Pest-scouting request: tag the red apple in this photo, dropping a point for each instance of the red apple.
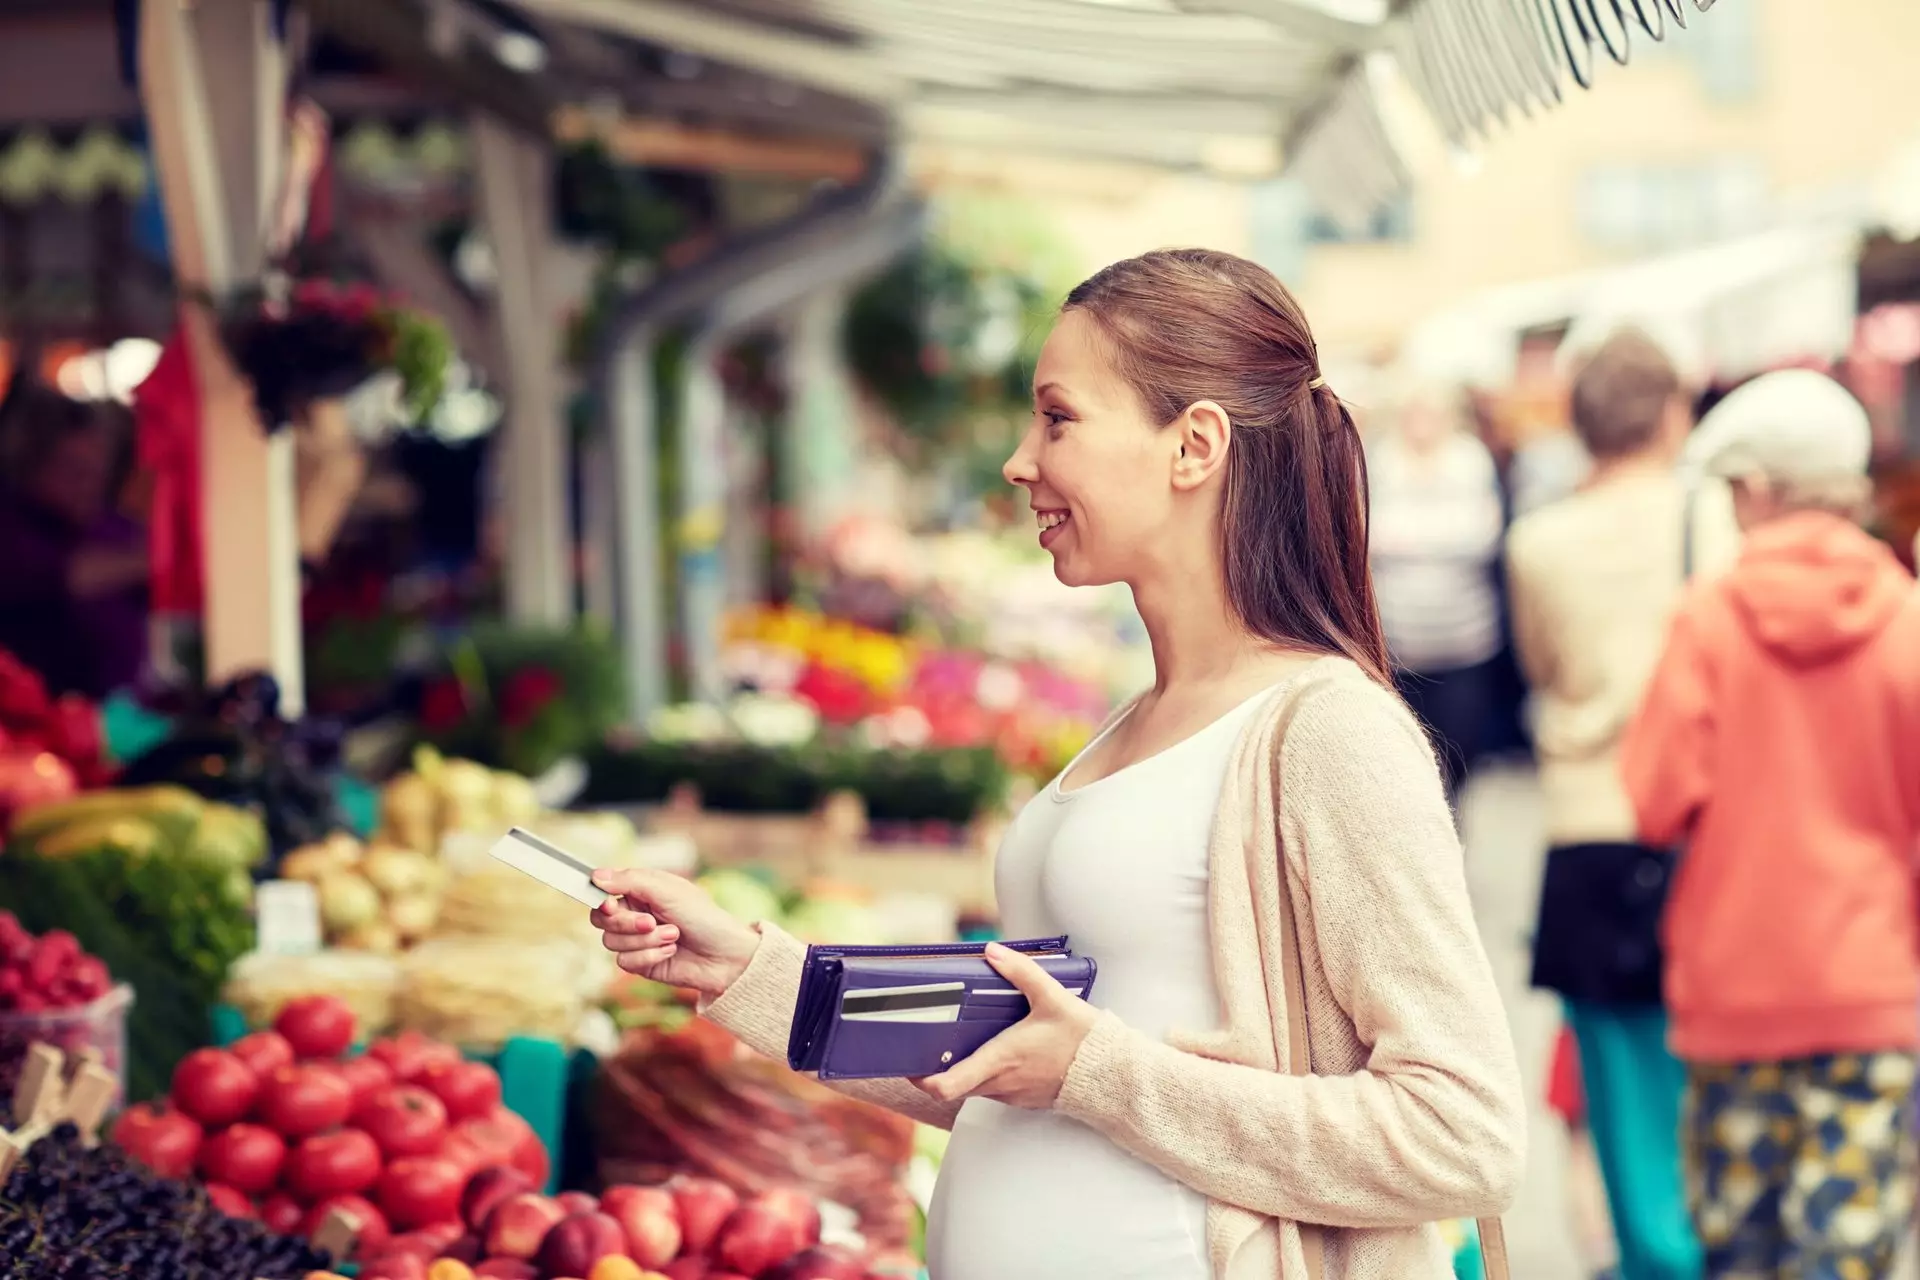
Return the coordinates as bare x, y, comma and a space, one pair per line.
487, 1189
686, 1269
518, 1225
508, 1269
650, 1220
821, 1262
757, 1236
578, 1241
799, 1208
428, 1242
578, 1202
704, 1206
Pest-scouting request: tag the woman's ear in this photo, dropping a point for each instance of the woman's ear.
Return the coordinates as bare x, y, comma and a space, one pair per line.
1203, 432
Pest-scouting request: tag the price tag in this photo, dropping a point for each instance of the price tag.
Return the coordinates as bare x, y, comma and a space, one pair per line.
288, 913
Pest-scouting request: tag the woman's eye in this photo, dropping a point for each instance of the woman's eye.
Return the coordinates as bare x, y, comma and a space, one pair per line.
1056, 423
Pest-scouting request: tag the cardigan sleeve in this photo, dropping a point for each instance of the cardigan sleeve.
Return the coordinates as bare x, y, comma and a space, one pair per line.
1432, 1123
758, 1009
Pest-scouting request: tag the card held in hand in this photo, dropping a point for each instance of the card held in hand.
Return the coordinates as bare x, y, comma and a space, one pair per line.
868, 1013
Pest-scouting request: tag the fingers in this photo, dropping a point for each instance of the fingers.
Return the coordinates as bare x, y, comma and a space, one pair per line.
645, 962
1026, 975
964, 1078
615, 918
641, 887
628, 943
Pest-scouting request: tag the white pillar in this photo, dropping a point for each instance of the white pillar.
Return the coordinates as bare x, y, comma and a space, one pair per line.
515, 174
213, 84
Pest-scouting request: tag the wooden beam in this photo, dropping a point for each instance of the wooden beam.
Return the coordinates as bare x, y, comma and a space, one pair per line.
216, 140
667, 145
515, 174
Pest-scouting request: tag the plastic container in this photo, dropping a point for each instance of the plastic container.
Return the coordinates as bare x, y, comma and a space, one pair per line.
101, 1026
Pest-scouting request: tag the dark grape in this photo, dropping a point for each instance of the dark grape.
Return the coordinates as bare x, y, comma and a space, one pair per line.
69, 1213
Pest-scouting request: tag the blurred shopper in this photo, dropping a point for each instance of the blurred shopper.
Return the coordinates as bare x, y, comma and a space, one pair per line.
1435, 534
1780, 738
1594, 580
73, 570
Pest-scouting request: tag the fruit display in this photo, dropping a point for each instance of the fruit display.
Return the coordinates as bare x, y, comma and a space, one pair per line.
439, 795
52, 992
685, 1229
49, 747
70, 1211
154, 821
379, 896
283, 1127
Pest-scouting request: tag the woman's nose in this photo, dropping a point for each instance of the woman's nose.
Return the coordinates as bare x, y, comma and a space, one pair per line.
1020, 467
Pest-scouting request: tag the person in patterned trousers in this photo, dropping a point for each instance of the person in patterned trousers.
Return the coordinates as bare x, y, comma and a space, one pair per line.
1780, 741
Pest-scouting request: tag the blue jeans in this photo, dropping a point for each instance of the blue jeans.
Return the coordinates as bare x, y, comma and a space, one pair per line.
1634, 1086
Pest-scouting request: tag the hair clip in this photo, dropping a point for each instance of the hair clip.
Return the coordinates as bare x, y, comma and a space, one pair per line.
1319, 381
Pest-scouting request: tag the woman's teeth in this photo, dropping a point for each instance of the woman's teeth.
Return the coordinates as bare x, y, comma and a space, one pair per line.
1048, 519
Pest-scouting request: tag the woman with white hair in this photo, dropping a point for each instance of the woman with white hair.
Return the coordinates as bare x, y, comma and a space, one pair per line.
1436, 529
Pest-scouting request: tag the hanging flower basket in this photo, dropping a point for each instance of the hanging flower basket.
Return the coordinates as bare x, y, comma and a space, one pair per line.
317, 340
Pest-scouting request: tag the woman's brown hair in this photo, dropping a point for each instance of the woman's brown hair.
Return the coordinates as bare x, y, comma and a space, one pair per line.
1192, 324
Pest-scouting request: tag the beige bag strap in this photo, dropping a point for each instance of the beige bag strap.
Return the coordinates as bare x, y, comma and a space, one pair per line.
1493, 1238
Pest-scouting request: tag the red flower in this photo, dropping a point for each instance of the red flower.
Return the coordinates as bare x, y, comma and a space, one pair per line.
23, 695
526, 694
443, 705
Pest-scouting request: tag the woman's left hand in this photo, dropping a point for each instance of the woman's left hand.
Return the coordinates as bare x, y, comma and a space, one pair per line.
1024, 1065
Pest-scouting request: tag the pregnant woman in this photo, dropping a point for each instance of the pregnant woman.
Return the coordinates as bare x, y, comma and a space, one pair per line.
1269, 796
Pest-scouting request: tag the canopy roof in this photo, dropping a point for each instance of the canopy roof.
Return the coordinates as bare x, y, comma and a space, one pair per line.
1244, 87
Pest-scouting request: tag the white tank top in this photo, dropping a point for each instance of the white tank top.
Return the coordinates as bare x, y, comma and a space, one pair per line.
1120, 866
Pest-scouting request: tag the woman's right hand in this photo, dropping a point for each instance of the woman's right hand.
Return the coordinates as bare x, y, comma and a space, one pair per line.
665, 927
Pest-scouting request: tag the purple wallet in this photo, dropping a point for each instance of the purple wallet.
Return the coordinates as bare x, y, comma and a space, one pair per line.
869, 1013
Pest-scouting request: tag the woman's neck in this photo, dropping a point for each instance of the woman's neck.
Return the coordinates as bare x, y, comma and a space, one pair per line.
1196, 637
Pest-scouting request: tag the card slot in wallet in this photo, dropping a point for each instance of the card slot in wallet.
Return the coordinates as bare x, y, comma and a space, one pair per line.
879, 1012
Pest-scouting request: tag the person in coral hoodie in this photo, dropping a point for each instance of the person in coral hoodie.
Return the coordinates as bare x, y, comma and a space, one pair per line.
1780, 740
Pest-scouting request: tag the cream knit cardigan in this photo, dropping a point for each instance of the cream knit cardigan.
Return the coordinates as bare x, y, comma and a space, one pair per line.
1414, 1112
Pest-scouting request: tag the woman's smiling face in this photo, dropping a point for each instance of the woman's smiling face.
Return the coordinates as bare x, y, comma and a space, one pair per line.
1097, 470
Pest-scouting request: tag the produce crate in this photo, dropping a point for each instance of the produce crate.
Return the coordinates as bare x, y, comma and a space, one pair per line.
535, 1078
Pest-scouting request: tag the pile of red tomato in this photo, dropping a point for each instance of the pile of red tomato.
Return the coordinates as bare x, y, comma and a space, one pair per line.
284, 1127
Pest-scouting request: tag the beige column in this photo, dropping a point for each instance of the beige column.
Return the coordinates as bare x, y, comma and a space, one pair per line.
213, 84
515, 173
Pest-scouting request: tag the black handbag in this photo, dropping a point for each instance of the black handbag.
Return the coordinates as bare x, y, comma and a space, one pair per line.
1597, 936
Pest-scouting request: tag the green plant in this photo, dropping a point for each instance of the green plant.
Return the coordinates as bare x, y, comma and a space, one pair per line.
524, 698
171, 925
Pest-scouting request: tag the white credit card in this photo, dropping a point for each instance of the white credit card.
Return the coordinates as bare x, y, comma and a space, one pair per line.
555, 868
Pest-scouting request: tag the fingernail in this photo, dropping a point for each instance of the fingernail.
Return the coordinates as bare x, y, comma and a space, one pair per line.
995, 949
603, 878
